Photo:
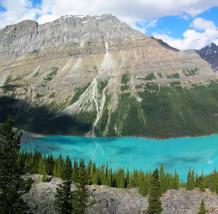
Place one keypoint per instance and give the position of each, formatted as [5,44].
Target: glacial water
[180,154]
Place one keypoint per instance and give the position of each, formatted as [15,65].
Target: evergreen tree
[63,195]
[200,183]
[50,165]
[190,180]
[163,180]
[12,183]
[90,172]
[202,208]
[143,184]
[154,201]
[176,181]
[97,177]
[75,171]
[80,196]
[58,167]
[120,178]
[109,177]
[42,169]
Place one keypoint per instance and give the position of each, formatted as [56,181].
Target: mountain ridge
[210,54]
[102,72]
[65,31]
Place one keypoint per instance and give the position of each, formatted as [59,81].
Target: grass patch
[175,84]
[102,85]
[150,77]
[151,87]
[78,93]
[125,82]
[173,76]
[52,74]
[191,72]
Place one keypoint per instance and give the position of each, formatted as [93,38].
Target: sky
[183,24]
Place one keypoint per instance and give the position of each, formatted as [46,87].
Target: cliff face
[100,71]
[73,32]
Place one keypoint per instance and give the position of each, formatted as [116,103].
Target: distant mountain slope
[107,76]
[210,54]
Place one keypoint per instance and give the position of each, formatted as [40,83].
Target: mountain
[210,54]
[112,80]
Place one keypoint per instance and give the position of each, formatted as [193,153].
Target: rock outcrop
[122,201]
[210,54]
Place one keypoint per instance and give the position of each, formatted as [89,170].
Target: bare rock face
[67,32]
[122,201]
[210,54]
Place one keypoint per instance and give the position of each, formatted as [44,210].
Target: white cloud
[17,11]
[46,18]
[130,11]
[201,33]
[143,26]
[202,24]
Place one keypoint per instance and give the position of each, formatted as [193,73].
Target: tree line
[36,163]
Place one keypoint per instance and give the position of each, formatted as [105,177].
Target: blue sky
[36,2]
[175,26]
[184,24]
[171,25]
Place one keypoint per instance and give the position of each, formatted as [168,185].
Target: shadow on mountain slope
[40,119]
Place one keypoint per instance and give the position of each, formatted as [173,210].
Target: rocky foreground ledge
[121,201]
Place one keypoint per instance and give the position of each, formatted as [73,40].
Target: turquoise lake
[180,154]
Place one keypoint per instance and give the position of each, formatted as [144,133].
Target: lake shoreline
[27,134]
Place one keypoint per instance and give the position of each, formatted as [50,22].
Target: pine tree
[163,184]
[75,171]
[143,184]
[42,169]
[190,180]
[120,178]
[50,165]
[176,181]
[63,195]
[200,183]
[80,196]
[202,208]
[109,177]
[154,201]
[58,167]
[90,172]
[12,183]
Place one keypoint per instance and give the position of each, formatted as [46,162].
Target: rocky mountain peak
[81,32]
[210,54]
[212,45]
